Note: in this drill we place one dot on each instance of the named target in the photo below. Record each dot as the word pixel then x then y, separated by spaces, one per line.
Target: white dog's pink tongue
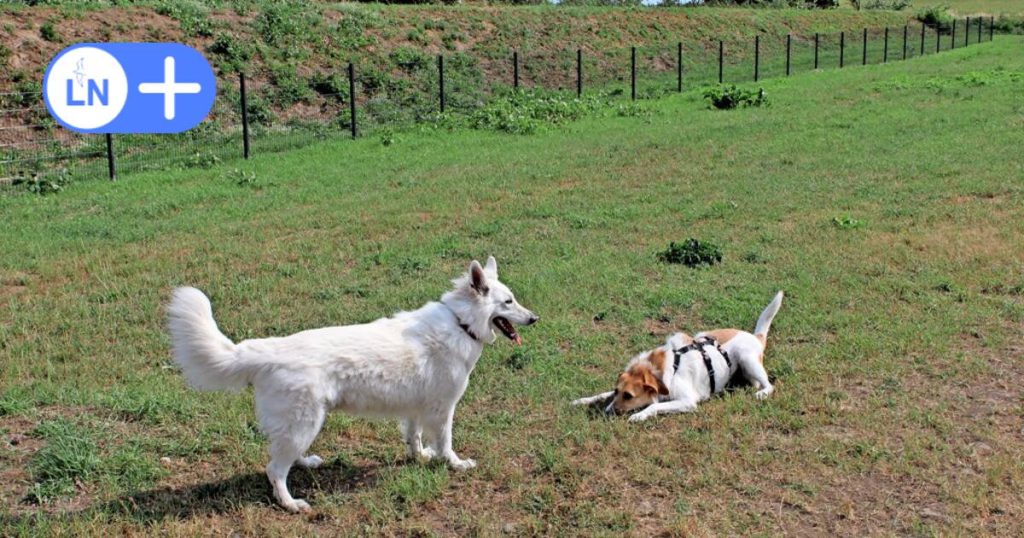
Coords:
pixel 518 340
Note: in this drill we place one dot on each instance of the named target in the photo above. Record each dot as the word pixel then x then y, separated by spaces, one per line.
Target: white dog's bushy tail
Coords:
pixel 765 321
pixel 205 355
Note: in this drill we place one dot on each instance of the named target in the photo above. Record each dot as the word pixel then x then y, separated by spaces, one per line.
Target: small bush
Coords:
pixel 49 33
pixel 935 16
pixel 692 253
pixel 530 111
pixel 46 183
pixel 732 96
pixel 410 59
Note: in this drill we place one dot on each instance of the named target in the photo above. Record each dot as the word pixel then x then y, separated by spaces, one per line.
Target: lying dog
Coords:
pixel 674 378
pixel 413 366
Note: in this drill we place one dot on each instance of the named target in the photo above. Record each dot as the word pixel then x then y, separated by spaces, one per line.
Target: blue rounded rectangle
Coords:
pixel 129 88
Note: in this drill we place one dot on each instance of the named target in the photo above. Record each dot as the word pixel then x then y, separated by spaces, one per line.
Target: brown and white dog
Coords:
pixel 685 371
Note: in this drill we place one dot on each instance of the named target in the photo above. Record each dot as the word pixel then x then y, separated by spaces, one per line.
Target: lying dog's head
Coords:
pixel 483 303
pixel 639 386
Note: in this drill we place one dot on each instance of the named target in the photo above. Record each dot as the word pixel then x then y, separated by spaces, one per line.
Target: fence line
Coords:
pixel 74 150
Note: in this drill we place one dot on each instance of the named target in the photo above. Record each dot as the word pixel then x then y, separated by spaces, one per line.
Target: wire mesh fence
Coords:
pixel 33 146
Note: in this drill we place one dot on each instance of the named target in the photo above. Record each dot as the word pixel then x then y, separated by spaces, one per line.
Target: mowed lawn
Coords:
pixel 886 201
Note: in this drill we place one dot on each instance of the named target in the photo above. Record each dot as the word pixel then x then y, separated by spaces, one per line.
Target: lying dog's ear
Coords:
pixel 477 278
pixel 491 268
pixel 653 384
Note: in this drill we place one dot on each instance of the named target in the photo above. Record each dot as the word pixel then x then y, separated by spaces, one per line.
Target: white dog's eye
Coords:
pixel 508 301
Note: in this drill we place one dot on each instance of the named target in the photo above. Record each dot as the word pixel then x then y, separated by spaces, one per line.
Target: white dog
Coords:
pixel 675 377
pixel 414 366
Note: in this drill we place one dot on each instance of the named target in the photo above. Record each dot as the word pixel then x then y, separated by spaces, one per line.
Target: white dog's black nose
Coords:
pixel 533 319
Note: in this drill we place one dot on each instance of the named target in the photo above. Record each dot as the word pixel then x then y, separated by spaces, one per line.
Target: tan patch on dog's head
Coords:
pixel 637 387
pixel 723 335
pixel 657 359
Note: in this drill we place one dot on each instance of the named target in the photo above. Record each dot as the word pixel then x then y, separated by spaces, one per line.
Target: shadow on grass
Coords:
pixel 222 496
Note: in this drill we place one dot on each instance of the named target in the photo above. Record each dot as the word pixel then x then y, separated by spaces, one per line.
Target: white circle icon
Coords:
pixel 86 88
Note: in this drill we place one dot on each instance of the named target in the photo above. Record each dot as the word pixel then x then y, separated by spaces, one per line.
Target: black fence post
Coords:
pixel 864 54
pixel 440 79
pixel 905 29
pixel 952 33
pixel 632 73
pixel 922 38
pixel 757 57
pixel 515 69
pixel 111 165
pixel 991 28
pixel 789 44
pixel 245 116
pixel 842 48
pixel 721 55
pixel 815 50
pixel 938 40
pixel 885 48
pixel 679 67
pixel 579 73
pixel 967 31
pixel 979 30
pixel 352 98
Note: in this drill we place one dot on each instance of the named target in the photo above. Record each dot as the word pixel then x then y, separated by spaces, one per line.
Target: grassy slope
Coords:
pixel 895 351
pixel 986 7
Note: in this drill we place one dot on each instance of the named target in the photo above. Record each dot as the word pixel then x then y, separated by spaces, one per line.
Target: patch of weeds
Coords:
pixel 846 222
pixel 202 159
pixel 633 110
pixel 692 253
pixel 49 33
pixel 134 405
pixel 387 136
pixel 721 210
pixel 232 54
pixel 70 455
pixel 527 112
pixel 330 85
pixel 937 16
pixel 242 178
pixel 46 182
pixel 518 360
pixel 410 59
pixel 191 16
pixel 731 96
pixel 11 404
pixel 129 468
pixel 754 257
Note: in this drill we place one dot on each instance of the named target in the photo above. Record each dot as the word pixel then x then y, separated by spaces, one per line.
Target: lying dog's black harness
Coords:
pixel 700 344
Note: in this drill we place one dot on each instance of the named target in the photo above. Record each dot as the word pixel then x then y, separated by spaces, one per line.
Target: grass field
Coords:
pixel 885 201
pixel 992 7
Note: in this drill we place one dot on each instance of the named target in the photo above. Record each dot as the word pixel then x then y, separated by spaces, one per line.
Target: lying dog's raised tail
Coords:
pixel 765 321
pixel 205 355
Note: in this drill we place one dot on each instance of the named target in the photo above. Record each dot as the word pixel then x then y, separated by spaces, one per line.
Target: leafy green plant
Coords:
pixel 526 112
pixel 692 253
pixel 730 96
pixel 846 222
pixel 937 16
pixel 242 178
pixel 49 33
pixel 45 183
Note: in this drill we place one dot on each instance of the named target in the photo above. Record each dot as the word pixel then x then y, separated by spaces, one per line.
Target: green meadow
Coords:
pixel 886 201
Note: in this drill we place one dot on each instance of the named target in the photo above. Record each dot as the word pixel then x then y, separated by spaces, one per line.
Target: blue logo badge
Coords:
pixel 129 88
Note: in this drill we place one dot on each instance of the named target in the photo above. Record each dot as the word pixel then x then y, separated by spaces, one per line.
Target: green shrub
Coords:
pixel 692 253
pixel 891 5
pixel 526 112
pixel 732 96
pixel 935 16
pixel 233 54
pixel 410 59
pixel 49 33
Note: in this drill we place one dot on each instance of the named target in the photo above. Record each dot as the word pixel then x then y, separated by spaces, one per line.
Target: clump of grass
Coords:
pixel 69 456
pixel 846 222
pixel 692 253
pixel 242 178
pixel 732 96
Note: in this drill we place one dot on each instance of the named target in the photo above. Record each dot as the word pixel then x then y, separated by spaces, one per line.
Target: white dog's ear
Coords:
pixel 477 278
pixel 492 267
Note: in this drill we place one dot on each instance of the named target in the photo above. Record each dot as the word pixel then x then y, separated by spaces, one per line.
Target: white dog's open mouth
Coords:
pixel 505 327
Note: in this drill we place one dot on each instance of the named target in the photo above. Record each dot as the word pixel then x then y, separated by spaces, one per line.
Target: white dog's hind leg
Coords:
pixel 664 408
pixel 283 452
pixel 754 371
pixel 593 399
pixel 442 425
pixel 291 424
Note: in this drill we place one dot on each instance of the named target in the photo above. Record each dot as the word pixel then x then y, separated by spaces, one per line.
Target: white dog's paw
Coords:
pixel 461 465
pixel 297 506
pixel 764 393
pixel 310 462
pixel 425 455
pixel 640 417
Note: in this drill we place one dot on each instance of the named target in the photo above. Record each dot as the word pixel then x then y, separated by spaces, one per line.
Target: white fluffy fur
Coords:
pixel 690 385
pixel 413 366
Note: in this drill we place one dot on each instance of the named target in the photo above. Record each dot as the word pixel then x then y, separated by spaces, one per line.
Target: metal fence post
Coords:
pixel 905 29
pixel 967 31
pixel 864 54
pixel 952 33
pixel 757 57
pixel 679 66
pixel 815 50
pixel 515 69
pixel 789 44
pixel 440 78
pixel 245 116
pixel 842 48
pixel 991 28
pixel 922 38
pixel 938 40
pixel 632 73
pixel 885 48
pixel 979 30
pixel 352 98
pixel 721 54
pixel 111 165
pixel 579 73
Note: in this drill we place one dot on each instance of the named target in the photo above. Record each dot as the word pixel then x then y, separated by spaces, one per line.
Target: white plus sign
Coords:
pixel 169 88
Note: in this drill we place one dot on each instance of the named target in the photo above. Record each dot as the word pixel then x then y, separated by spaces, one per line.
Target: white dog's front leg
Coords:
pixel 412 432
pixel 593 399
pixel 663 408
pixel 443 443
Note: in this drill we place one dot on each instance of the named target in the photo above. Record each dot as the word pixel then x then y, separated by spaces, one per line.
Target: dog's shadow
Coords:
pixel 223 496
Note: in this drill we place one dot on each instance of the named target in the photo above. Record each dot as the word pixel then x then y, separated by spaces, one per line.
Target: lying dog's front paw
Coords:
pixel 297 506
pixel 764 393
pixel 580 401
pixel 461 465
pixel 640 417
